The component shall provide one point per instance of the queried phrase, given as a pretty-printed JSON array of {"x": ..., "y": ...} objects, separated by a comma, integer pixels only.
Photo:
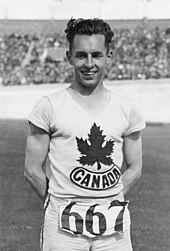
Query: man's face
[{"x": 88, "y": 57}]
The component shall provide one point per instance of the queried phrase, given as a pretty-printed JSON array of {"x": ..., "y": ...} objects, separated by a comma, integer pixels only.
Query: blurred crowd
[{"x": 137, "y": 54}]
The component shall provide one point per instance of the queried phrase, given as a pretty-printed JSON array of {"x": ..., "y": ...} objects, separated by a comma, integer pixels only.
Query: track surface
[
  {"x": 21, "y": 212},
  {"x": 151, "y": 95}
]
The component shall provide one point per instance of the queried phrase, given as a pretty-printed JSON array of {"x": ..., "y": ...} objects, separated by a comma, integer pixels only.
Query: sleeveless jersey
[{"x": 85, "y": 152}]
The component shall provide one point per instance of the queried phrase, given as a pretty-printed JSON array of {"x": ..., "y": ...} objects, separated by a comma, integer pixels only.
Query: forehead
[{"x": 95, "y": 42}]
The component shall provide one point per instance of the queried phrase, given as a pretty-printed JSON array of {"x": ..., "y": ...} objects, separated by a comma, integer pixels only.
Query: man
[{"x": 86, "y": 130}]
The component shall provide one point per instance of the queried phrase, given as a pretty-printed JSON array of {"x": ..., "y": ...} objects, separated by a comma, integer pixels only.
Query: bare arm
[
  {"x": 36, "y": 152},
  {"x": 133, "y": 160}
]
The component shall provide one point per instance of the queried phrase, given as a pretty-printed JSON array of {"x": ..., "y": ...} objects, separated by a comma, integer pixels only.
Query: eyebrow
[{"x": 84, "y": 52}]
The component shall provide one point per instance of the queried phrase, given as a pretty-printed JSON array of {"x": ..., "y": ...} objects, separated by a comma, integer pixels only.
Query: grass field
[{"x": 21, "y": 212}]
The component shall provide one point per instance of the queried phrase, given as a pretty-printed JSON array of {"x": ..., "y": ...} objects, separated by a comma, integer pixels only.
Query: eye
[
  {"x": 97, "y": 55},
  {"x": 80, "y": 55}
]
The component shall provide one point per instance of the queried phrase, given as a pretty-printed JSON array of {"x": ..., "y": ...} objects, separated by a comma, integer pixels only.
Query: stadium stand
[{"x": 138, "y": 53}]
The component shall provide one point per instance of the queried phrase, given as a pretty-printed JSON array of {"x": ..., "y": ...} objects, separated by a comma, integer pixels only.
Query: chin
[{"x": 90, "y": 83}]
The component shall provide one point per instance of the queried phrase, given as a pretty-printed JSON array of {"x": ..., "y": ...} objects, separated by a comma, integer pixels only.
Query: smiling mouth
[{"x": 89, "y": 73}]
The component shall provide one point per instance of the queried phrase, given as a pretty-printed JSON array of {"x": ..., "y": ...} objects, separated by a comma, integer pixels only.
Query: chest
[
  {"x": 76, "y": 120},
  {"x": 92, "y": 107}
]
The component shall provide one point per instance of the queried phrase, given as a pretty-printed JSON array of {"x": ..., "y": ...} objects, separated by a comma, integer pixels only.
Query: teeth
[{"x": 89, "y": 73}]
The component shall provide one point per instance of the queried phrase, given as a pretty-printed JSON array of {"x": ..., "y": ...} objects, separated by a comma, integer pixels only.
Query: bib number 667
[{"x": 84, "y": 218}]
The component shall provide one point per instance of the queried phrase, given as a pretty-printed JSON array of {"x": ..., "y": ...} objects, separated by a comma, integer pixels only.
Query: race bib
[{"x": 94, "y": 220}]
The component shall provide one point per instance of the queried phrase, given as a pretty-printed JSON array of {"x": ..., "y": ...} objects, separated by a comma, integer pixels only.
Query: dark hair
[{"x": 88, "y": 27}]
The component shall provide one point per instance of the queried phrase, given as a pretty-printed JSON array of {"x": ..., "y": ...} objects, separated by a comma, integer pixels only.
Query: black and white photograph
[{"x": 84, "y": 125}]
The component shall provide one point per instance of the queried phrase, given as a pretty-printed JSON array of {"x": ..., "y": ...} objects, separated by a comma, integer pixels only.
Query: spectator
[{"x": 139, "y": 54}]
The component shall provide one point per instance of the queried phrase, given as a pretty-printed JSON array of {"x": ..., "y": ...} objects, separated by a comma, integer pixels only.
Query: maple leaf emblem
[{"x": 96, "y": 151}]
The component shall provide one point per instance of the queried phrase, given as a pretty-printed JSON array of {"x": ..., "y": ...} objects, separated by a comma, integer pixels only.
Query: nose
[{"x": 89, "y": 62}]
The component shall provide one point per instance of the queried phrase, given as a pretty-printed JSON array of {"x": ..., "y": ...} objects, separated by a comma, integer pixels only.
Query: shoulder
[
  {"x": 124, "y": 102},
  {"x": 44, "y": 110},
  {"x": 58, "y": 94},
  {"x": 57, "y": 97},
  {"x": 130, "y": 110},
  {"x": 120, "y": 97}
]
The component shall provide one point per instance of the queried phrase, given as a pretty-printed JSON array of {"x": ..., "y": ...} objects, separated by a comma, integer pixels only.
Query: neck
[{"x": 88, "y": 90}]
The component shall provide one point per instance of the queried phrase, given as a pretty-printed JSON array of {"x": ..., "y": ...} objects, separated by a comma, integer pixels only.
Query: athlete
[{"x": 87, "y": 131}]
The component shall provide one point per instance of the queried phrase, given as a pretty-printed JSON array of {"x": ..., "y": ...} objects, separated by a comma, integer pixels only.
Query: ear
[
  {"x": 69, "y": 57},
  {"x": 109, "y": 57}
]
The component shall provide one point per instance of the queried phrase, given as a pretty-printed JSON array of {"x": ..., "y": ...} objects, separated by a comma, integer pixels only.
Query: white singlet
[{"x": 85, "y": 152}]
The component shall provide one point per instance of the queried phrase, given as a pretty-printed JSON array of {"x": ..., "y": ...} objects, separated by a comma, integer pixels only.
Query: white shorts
[{"x": 77, "y": 231}]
